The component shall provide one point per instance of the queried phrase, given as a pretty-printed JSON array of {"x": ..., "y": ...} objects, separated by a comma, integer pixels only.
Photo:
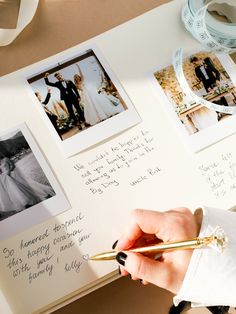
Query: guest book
[{"x": 95, "y": 131}]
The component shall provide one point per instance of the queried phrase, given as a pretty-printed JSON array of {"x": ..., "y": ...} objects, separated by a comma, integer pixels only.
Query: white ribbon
[
  {"x": 214, "y": 35},
  {"x": 26, "y": 13},
  {"x": 178, "y": 67}
]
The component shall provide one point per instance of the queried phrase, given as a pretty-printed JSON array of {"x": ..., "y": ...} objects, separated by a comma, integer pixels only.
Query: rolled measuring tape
[
  {"x": 26, "y": 13},
  {"x": 213, "y": 34}
]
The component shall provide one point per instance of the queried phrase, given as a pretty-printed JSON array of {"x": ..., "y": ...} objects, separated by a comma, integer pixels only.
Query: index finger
[{"x": 142, "y": 221}]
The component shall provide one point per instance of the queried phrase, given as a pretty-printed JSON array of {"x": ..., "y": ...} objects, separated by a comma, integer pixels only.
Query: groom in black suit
[
  {"x": 69, "y": 94},
  {"x": 206, "y": 72}
]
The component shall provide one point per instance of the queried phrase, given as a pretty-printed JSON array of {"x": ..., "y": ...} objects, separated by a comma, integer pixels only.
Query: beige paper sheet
[{"x": 60, "y": 24}]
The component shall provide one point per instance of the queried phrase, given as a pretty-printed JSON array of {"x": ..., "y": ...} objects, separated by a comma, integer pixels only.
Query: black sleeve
[
  {"x": 49, "y": 83},
  {"x": 45, "y": 102},
  {"x": 74, "y": 89},
  {"x": 217, "y": 73},
  {"x": 197, "y": 73}
]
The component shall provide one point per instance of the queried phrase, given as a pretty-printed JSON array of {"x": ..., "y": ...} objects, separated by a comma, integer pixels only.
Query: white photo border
[
  {"x": 42, "y": 211},
  {"x": 212, "y": 134},
  {"x": 97, "y": 133}
]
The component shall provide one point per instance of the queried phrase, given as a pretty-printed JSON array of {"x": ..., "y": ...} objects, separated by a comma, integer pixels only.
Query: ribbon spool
[
  {"x": 213, "y": 34},
  {"x": 26, "y": 13}
]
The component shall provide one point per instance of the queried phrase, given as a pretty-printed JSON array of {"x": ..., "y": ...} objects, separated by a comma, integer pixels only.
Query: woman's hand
[{"x": 168, "y": 271}]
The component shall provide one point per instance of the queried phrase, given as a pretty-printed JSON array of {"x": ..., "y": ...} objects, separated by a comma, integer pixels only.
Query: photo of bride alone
[{"x": 23, "y": 183}]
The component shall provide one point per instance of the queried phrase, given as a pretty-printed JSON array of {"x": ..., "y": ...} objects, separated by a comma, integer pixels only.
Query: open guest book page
[{"x": 93, "y": 132}]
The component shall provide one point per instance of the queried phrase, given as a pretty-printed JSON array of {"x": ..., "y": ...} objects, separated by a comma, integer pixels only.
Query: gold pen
[{"x": 216, "y": 239}]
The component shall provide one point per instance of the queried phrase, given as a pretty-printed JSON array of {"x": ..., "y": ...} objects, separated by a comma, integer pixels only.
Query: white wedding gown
[
  {"x": 14, "y": 195},
  {"x": 98, "y": 107},
  {"x": 19, "y": 191},
  {"x": 203, "y": 118}
]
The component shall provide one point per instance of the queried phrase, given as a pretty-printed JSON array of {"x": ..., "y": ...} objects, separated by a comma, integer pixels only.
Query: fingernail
[
  {"x": 121, "y": 257},
  {"x": 114, "y": 244}
]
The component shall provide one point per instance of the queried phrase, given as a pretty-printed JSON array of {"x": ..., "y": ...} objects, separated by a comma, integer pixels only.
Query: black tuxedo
[
  {"x": 70, "y": 96},
  {"x": 212, "y": 73}
]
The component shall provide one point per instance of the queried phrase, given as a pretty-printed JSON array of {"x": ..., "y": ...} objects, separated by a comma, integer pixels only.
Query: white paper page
[{"x": 146, "y": 166}]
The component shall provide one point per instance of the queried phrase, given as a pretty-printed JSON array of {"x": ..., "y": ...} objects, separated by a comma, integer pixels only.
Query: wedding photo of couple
[
  {"x": 77, "y": 95},
  {"x": 208, "y": 78},
  {"x": 23, "y": 183}
]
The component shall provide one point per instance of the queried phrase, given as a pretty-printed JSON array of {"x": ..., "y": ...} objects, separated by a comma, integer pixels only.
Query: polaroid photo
[
  {"x": 212, "y": 77},
  {"x": 29, "y": 192},
  {"x": 80, "y": 100}
]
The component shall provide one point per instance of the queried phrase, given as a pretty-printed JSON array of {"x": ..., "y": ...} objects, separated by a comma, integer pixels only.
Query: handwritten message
[
  {"x": 101, "y": 173},
  {"x": 40, "y": 255},
  {"x": 220, "y": 174}
]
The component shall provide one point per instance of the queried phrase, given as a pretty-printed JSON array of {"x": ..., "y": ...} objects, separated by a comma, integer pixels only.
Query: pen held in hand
[{"x": 216, "y": 240}]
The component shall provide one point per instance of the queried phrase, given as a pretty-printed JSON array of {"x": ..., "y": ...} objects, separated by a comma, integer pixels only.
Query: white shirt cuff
[{"x": 211, "y": 275}]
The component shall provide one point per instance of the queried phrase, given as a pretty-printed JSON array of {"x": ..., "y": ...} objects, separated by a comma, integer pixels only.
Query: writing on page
[
  {"x": 220, "y": 174},
  {"x": 102, "y": 172},
  {"x": 43, "y": 254}
]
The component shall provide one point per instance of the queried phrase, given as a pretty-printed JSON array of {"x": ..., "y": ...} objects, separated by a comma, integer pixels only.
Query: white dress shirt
[
  {"x": 202, "y": 68},
  {"x": 211, "y": 275}
]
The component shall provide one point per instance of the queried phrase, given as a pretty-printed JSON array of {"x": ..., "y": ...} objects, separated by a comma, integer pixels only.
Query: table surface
[{"x": 55, "y": 28}]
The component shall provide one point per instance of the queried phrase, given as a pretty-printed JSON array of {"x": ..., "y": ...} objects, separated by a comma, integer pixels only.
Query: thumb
[{"x": 145, "y": 268}]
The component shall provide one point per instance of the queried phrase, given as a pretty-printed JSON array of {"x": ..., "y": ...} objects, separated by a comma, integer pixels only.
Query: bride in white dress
[
  {"x": 18, "y": 192},
  {"x": 98, "y": 105},
  {"x": 14, "y": 196}
]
